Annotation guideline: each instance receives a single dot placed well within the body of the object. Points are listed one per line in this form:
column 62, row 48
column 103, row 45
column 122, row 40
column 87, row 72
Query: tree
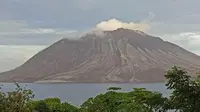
column 197, row 80
column 53, row 105
column 41, row 106
column 16, row 101
column 138, row 100
column 114, row 88
column 153, row 101
column 185, row 95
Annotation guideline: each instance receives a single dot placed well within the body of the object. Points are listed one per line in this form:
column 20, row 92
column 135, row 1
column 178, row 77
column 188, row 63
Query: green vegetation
column 185, row 97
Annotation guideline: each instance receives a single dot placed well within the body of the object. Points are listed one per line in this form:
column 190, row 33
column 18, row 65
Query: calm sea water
column 78, row 93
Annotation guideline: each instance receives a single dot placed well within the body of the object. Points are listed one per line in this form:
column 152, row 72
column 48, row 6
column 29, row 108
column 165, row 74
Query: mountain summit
column 110, row 56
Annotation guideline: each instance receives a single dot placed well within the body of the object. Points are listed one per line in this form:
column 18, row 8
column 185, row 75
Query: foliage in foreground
column 185, row 97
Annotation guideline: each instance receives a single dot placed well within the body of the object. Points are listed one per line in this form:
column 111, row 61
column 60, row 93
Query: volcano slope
column 111, row 56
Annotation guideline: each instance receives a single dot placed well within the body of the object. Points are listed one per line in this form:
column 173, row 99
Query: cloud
column 187, row 40
column 20, row 27
column 38, row 31
column 12, row 56
column 113, row 24
column 10, row 25
column 96, row 32
column 20, row 32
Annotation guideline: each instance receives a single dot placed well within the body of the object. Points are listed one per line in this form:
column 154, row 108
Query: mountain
column 111, row 56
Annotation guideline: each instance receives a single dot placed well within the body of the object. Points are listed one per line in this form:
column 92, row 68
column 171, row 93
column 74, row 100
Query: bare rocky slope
column 112, row 56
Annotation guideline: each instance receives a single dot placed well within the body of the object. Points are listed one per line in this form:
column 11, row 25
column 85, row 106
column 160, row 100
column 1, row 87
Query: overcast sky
column 38, row 23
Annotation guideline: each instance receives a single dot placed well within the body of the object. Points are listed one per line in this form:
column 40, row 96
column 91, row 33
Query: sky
column 28, row 26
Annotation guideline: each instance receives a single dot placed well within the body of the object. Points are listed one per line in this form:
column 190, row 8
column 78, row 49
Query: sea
column 77, row 93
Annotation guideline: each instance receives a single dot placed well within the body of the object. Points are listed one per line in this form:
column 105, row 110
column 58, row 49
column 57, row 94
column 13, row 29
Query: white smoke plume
column 113, row 24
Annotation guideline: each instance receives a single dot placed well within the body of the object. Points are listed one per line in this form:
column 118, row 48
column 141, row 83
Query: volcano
column 121, row 55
